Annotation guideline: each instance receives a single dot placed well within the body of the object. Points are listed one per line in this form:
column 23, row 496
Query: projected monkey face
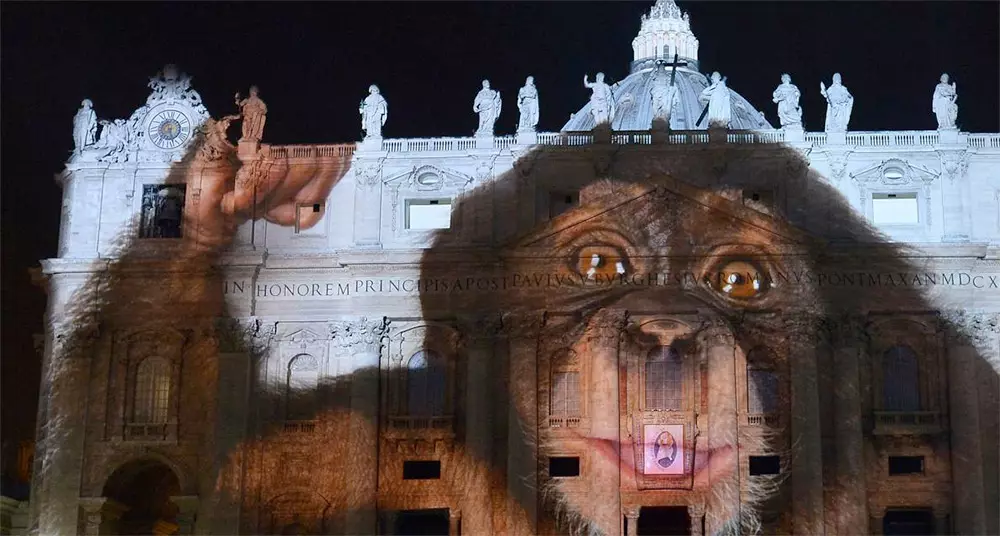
column 643, row 309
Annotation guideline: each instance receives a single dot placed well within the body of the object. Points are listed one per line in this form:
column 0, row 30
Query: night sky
column 314, row 62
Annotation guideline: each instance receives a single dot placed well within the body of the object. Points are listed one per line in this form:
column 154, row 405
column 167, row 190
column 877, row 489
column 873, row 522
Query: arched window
column 900, row 380
column 664, row 379
column 300, row 388
column 426, row 387
column 565, row 393
column 762, row 383
column 152, row 391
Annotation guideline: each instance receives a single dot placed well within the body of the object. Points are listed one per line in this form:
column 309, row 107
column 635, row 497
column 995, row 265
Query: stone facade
column 261, row 378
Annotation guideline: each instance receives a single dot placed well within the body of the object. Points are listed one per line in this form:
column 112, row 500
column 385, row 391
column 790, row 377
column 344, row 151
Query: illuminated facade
column 235, row 393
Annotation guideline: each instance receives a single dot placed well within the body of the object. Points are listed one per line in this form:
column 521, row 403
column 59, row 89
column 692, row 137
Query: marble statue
column 839, row 103
column 602, row 100
column 665, row 97
column 254, row 113
column 719, row 105
column 84, row 126
column 114, row 141
column 374, row 111
column 945, row 104
column 787, row 97
column 527, row 104
column 487, row 105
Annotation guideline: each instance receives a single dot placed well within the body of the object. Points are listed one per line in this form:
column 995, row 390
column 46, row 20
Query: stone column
column 480, row 335
column 232, row 405
column 455, row 523
column 807, row 456
column 956, row 219
column 362, row 339
column 522, row 449
column 969, row 507
column 63, row 401
column 603, row 335
column 697, row 514
column 632, row 521
column 187, row 513
column 722, row 426
column 852, row 508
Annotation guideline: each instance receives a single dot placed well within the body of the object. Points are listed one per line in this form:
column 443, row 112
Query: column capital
column 632, row 512
column 847, row 329
column 804, row 327
column 484, row 327
column 362, row 335
column 964, row 328
column 522, row 325
column 607, row 326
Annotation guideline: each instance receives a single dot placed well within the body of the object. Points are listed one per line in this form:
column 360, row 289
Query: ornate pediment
column 301, row 338
column 430, row 178
column 894, row 172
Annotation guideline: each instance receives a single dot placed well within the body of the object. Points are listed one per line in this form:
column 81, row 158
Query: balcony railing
column 907, row 422
column 771, row 420
column 443, row 422
column 300, row 427
column 146, row 431
column 886, row 139
column 564, row 422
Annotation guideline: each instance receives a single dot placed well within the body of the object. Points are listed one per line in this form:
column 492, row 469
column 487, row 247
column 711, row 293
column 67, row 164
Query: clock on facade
column 169, row 129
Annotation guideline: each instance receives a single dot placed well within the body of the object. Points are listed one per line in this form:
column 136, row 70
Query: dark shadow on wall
column 653, row 209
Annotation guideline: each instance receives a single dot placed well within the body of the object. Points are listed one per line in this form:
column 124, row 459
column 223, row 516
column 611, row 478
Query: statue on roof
column 718, row 102
column 84, row 127
column 945, row 104
column 254, row 113
column 487, row 105
column 839, row 103
column 787, row 97
column 216, row 145
column 602, row 101
column 527, row 104
column 665, row 97
column 374, row 110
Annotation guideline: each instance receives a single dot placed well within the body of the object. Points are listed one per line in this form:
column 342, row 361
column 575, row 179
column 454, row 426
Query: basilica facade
column 670, row 317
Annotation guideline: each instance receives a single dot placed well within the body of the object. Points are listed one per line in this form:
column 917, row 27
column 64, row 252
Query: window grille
column 664, row 379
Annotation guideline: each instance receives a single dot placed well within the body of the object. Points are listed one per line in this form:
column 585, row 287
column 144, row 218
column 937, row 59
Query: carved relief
column 838, row 164
column 361, row 335
column 954, row 164
column 521, row 325
column 369, row 174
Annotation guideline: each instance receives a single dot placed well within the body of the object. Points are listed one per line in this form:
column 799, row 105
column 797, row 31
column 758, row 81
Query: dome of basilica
column 665, row 34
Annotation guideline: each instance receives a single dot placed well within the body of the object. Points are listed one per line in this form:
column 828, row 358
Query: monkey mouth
column 715, row 463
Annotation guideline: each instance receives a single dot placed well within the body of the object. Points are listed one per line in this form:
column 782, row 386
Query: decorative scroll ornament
column 369, row 175
column 838, row 164
column 363, row 334
column 954, row 164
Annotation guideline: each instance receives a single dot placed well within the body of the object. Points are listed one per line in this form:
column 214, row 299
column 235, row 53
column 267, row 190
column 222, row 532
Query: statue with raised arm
column 945, row 104
column 718, row 102
column 787, row 97
column 487, row 105
column 374, row 110
column 602, row 101
column 84, row 126
column 664, row 95
column 839, row 103
column 527, row 104
column 254, row 113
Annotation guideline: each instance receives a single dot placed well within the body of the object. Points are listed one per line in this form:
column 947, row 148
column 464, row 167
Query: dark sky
column 314, row 62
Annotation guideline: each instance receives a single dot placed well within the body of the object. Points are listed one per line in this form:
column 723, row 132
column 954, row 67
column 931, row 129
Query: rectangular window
column 162, row 210
column 564, row 466
column 307, row 215
column 565, row 394
column 906, row 465
column 895, row 209
column 421, row 469
column 762, row 391
column 423, row 214
column 560, row 202
column 765, row 465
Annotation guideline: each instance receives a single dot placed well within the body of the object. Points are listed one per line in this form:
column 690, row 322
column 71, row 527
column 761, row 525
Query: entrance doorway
column 422, row 522
column 663, row 521
column 909, row 522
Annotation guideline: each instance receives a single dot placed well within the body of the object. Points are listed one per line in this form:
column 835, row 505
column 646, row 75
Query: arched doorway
column 142, row 491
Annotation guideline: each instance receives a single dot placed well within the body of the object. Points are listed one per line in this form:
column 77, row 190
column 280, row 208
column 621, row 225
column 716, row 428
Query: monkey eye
column 739, row 280
column 600, row 262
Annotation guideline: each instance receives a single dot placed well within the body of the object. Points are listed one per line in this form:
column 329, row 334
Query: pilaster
column 603, row 334
column 368, row 201
column 849, row 342
column 522, row 451
column 720, row 353
column 697, row 514
column 807, row 456
column 362, row 338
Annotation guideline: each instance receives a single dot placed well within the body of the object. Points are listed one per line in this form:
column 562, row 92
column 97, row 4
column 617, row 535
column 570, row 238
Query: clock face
column 169, row 129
